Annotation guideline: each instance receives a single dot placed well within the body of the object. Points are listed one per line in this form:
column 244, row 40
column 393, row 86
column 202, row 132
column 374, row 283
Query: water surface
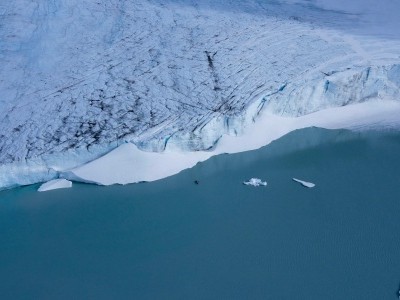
column 220, row 239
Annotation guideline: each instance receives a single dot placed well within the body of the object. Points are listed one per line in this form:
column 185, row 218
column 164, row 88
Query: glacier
column 183, row 78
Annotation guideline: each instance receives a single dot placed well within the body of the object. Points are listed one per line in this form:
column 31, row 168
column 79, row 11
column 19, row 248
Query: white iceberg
column 55, row 184
column 304, row 183
column 255, row 182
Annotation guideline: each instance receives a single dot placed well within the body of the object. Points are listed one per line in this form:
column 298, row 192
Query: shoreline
column 127, row 164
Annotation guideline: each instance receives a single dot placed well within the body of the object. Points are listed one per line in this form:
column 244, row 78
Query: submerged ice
column 79, row 79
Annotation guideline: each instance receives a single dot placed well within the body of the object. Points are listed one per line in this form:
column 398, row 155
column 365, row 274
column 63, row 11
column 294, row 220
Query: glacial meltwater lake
column 219, row 239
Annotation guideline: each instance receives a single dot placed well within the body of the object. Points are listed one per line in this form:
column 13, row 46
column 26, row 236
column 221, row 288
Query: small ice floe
column 55, row 184
column 255, row 182
column 305, row 183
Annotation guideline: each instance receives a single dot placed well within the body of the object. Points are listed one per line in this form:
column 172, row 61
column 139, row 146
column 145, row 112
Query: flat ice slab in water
column 305, row 183
column 55, row 184
column 255, row 182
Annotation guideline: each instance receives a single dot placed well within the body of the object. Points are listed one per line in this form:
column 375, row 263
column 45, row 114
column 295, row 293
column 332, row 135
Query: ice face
column 335, row 88
column 83, row 78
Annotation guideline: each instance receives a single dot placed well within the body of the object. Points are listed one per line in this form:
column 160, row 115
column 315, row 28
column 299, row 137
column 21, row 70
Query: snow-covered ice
column 181, row 79
column 255, row 182
column 127, row 164
column 304, row 183
column 55, row 184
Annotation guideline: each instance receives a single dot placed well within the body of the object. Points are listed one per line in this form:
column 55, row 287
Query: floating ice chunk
column 55, row 184
column 305, row 183
column 255, row 182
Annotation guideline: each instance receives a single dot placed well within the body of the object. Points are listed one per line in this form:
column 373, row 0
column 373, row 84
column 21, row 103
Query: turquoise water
column 173, row 239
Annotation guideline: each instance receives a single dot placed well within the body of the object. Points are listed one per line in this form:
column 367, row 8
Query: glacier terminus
column 157, row 86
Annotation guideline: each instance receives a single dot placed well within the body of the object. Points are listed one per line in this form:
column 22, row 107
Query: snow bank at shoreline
column 127, row 164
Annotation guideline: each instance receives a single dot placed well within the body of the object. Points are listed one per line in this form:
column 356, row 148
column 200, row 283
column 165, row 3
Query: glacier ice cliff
column 80, row 78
